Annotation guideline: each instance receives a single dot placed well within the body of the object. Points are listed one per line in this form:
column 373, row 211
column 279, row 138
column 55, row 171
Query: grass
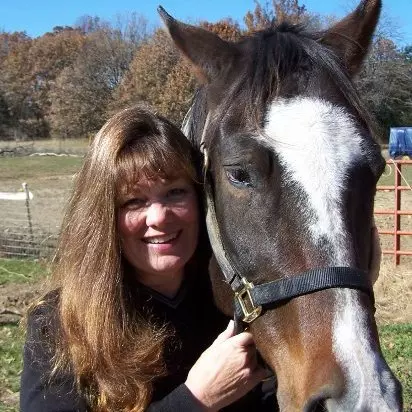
column 396, row 340
column 388, row 176
column 21, row 271
column 25, row 167
column 35, row 167
column 11, row 344
column 396, row 343
column 72, row 146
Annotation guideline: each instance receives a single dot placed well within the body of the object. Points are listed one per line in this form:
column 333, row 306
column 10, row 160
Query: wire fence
column 20, row 235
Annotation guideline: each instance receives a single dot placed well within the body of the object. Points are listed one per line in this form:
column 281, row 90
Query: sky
column 37, row 17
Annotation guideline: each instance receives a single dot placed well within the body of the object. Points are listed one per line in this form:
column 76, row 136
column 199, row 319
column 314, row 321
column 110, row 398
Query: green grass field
column 396, row 341
column 71, row 146
column 18, row 271
column 11, row 343
column 35, row 167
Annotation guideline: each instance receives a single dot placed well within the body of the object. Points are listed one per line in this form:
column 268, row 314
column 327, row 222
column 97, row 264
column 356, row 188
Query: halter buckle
column 243, row 296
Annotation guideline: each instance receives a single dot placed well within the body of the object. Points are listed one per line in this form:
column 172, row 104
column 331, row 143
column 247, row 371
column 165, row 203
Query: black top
column 197, row 323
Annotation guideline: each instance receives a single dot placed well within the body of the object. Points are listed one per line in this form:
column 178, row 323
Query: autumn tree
column 16, row 88
column 10, row 41
column 5, row 119
column 385, row 84
column 160, row 77
column 50, row 54
column 148, row 73
column 28, row 69
column 83, row 91
column 276, row 12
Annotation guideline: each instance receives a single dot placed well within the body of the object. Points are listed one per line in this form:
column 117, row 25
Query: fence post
column 397, row 239
column 26, row 189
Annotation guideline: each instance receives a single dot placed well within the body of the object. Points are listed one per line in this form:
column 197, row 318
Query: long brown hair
column 114, row 352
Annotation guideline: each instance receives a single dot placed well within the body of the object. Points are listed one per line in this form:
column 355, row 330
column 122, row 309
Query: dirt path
column 14, row 300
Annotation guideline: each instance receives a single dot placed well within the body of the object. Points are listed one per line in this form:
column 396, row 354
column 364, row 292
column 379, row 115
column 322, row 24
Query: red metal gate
column 400, row 185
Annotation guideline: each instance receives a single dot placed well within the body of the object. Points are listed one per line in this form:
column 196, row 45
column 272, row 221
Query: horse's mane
column 276, row 60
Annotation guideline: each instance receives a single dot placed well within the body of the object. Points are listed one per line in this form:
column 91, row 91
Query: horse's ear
column 352, row 36
column 205, row 50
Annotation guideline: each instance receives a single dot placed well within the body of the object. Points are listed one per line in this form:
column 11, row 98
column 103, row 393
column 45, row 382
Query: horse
column 291, row 165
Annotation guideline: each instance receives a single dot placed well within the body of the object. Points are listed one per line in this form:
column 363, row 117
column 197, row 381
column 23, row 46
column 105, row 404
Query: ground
column 22, row 281
column 50, row 180
column 14, row 299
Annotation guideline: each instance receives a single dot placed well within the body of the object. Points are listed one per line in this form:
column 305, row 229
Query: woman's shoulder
column 42, row 317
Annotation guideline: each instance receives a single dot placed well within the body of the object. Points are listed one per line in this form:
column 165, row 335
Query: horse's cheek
column 222, row 292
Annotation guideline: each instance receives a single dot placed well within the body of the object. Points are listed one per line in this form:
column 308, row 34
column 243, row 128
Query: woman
column 130, row 323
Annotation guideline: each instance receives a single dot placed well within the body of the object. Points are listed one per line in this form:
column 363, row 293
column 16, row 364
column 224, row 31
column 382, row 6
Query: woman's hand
column 226, row 371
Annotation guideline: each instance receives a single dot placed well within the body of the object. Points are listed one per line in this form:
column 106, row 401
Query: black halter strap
column 275, row 293
column 251, row 299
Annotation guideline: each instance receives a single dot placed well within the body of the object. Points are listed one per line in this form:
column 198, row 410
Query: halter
column 250, row 299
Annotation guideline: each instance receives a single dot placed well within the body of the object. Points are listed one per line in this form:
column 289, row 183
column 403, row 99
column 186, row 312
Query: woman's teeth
column 161, row 239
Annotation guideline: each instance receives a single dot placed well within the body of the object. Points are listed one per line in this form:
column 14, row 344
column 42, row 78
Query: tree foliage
column 67, row 82
column 276, row 12
column 160, row 77
column 385, row 84
column 84, row 89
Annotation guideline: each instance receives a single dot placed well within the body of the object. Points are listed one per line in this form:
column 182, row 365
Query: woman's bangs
column 153, row 164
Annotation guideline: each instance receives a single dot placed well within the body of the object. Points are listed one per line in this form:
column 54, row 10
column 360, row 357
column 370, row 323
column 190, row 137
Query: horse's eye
column 238, row 177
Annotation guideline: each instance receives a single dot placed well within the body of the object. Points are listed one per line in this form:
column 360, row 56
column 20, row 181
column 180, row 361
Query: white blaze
column 317, row 143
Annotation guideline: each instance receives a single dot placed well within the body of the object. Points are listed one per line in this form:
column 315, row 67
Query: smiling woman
column 158, row 227
column 130, row 323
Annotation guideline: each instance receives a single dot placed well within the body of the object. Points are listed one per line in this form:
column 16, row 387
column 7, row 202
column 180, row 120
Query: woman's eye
column 177, row 192
column 135, row 203
column 239, row 177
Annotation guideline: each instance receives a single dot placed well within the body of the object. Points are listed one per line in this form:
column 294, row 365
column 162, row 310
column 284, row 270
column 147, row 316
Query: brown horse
column 291, row 168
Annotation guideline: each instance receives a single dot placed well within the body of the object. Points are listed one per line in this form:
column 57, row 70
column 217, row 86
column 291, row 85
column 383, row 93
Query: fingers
column 255, row 376
column 226, row 334
column 262, row 373
column 242, row 339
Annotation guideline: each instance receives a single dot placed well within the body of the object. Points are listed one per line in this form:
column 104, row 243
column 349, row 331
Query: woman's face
column 158, row 223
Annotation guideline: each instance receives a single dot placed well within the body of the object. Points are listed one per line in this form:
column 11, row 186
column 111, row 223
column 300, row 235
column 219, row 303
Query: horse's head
column 292, row 171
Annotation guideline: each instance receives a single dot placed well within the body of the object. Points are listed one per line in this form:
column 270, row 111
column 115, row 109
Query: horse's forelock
column 275, row 63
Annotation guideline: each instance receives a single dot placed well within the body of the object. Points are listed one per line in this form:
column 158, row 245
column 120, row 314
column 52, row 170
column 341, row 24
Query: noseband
column 250, row 300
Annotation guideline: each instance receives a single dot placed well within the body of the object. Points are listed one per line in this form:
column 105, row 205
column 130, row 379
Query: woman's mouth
column 159, row 240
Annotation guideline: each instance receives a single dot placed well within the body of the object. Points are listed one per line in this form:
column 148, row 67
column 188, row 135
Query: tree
column 50, row 54
column 385, row 84
column 277, row 12
column 227, row 29
column 5, row 119
column 289, row 10
column 148, row 73
column 161, row 78
column 17, row 88
column 83, row 91
column 10, row 41
column 28, row 69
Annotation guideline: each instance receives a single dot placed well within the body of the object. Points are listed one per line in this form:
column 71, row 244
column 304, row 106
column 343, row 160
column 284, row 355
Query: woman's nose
column 156, row 214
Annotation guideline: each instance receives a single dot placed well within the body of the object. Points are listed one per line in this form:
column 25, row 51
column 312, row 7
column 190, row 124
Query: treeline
column 65, row 83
